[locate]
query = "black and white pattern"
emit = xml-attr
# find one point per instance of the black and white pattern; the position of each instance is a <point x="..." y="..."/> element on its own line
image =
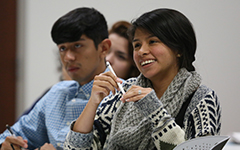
<point x="134" y="126"/>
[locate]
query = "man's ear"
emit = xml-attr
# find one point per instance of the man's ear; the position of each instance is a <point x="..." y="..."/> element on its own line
<point x="105" y="44"/>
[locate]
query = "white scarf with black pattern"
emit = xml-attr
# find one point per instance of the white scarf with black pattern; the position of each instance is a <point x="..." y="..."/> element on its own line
<point x="182" y="86"/>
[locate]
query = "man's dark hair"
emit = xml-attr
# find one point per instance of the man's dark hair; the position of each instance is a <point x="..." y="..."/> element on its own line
<point x="87" y="21"/>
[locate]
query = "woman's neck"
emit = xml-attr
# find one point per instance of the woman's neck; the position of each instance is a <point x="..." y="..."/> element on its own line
<point x="160" y="85"/>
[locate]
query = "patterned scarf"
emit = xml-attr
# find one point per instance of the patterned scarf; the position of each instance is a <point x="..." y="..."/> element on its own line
<point x="182" y="86"/>
<point x="131" y="130"/>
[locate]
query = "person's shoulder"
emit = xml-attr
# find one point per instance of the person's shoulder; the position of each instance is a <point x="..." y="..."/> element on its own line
<point x="63" y="85"/>
<point x="209" y="96"/>
<point x="67" y="83"/>
<point x="207" y="99"/>
<point x="203" y="96"/>
<point x="60" y="90"/>
<point x="205" y="92"/>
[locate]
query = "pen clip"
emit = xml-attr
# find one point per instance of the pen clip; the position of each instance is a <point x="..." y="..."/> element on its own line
<point x="9" y="129"/>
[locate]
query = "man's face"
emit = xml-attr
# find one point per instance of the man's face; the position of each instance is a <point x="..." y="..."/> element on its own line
<point x="81" y="59"/>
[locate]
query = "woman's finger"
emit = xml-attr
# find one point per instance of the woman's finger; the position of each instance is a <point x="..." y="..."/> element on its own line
<point x="135" y="93"/>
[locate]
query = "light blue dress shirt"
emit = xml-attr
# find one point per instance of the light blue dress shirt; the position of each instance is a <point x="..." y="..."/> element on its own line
<point x="50" y="119"/>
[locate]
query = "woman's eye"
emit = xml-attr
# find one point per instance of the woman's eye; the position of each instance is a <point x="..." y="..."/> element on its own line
<point x="152" y="41"/>
<point x="122" y="57"/>
<point x="78" y="46"/>
<point x="136" y="45"/>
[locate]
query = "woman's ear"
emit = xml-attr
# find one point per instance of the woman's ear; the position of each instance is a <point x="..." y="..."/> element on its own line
<point x="106" y="44"/>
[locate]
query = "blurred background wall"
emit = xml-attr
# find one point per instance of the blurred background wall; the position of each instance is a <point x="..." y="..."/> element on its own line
<point x="8" y="48"/>
<point x="216" y="24"/>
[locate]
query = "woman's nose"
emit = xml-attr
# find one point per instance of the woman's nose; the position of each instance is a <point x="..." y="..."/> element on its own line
<point x="144" y="50"/>
<point x="110" y="58"/>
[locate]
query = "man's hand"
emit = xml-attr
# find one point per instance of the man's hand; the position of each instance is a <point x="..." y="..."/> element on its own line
<point x="46" y="146"/>
<point x="16" y="142"/>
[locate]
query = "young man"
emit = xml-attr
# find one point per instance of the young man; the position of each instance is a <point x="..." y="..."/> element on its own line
<point x="82" y="38"/>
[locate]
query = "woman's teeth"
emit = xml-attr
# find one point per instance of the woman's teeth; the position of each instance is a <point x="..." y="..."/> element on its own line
<point x="147" y="62"/>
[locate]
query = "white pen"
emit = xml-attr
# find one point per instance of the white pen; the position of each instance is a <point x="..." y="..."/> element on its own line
<point x="111" y="69"/>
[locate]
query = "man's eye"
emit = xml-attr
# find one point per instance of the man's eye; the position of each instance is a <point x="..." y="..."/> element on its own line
<point x="78" y="46"/>
<point x="61" y="49"/>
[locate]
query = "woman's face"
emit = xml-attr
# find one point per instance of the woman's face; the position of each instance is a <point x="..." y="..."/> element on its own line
<point x="118" y="55"/>
<point x="153" y="58"/>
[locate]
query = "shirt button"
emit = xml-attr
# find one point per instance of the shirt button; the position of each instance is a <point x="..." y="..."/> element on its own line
<point x="68" y="123"/>
<point x="74" y="100"/>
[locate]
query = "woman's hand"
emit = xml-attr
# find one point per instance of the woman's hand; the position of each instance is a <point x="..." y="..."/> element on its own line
<point x="135" y="93"/>
<point x="102" y="85"/>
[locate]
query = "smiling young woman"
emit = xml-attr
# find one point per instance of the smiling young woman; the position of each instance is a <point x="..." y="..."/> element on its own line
<point x="164" y="106"/>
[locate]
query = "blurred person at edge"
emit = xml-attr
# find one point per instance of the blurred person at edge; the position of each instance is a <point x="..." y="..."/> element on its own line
<point x="120" y="55"/>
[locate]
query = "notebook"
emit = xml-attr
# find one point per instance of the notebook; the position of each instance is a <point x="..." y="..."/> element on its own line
<point x="204" y="143"/>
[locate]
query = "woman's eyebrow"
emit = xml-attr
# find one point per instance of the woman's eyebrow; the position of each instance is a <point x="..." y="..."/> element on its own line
<point x="135" y="40"/>
<point x="121" y="53"/>
<point x="150" y="36"/>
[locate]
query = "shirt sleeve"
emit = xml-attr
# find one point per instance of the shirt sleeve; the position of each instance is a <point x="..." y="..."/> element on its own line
<point x="27" y="126"/>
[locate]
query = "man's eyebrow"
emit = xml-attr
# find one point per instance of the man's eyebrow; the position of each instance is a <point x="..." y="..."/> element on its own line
<point x="81" y="39"/>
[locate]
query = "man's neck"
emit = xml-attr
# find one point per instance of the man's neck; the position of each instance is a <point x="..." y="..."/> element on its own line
<point x="89" y="79"/>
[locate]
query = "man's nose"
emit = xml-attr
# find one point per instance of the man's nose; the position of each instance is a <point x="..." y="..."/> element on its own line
<point x="69" y="56"/>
